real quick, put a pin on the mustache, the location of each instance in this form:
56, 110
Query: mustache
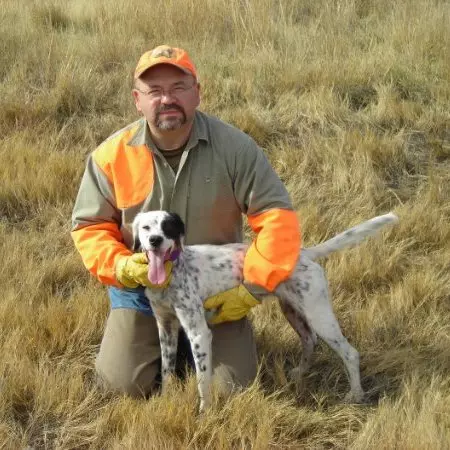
163, 108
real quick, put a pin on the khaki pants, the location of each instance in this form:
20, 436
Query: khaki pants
129, 356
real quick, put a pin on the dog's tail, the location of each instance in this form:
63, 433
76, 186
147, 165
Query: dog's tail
351, 237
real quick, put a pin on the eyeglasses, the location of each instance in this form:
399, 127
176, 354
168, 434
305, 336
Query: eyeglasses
175, 91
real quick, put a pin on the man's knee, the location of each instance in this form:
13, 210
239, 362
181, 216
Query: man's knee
129, 357
137, 382
234, 355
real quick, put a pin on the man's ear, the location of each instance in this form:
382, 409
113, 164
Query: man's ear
135, 93
135, 228
198, 95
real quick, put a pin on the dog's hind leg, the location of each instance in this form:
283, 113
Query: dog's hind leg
322, 320
200, 338
307, 336
307, 294
350, 357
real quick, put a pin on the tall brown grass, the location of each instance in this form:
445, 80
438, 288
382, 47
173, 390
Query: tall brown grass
350, 99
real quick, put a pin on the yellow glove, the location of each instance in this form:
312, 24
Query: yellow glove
132, 271
233, 304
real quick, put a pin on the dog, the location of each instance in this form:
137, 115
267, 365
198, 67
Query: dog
201, 271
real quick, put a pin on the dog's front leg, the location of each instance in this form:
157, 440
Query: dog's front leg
168, 328
200, 337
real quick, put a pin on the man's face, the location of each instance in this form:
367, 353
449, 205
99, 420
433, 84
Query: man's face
167, 97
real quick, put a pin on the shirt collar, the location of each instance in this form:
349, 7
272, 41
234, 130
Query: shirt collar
142, 134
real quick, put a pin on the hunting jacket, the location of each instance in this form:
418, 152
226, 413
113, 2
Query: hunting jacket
222, 175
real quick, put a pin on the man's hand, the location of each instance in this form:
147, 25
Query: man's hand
233, 304
132, 271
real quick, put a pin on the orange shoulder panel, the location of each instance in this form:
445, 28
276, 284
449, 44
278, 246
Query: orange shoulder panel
129, 169
273, 254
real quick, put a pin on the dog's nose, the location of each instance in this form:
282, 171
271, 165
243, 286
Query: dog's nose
155, 241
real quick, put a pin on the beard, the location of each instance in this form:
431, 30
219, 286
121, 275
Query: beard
173, 123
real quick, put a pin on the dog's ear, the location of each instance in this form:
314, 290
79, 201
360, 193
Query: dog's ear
173, 227
180, 243
135, 228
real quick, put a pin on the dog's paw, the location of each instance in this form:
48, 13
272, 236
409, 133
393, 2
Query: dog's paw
296, 374
354, 397
204, 405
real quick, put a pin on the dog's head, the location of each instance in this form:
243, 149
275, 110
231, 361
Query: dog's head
158, 231
159, 234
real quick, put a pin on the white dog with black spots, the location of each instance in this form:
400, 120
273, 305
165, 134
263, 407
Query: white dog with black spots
202, 271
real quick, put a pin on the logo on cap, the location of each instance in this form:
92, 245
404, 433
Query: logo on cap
163, 52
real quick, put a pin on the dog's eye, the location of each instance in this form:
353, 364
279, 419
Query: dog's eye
146, 228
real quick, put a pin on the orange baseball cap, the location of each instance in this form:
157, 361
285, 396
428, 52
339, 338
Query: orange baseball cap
165, 54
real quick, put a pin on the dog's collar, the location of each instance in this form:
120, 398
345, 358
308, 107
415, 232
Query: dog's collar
173, 255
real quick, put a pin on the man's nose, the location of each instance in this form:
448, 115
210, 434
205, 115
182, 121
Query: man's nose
155, 241
167, 97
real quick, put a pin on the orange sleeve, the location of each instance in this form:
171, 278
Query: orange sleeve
100, 247
117, 176
273, 254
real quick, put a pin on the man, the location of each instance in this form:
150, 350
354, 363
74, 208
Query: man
179, 159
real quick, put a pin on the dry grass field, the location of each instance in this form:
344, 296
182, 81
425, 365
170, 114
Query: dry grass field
350, 99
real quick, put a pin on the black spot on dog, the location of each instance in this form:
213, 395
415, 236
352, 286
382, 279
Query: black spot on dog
303, 285
173, 227
196, 283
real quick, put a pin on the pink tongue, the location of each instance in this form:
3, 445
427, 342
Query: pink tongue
156, 271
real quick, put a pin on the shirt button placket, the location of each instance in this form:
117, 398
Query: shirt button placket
178, 180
